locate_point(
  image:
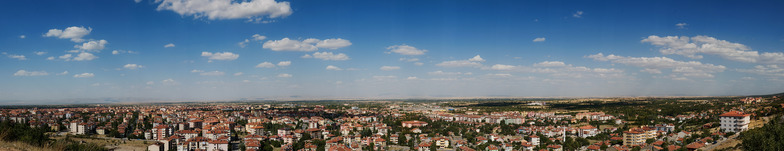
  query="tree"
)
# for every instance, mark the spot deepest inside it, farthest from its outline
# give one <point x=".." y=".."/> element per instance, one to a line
<point x="433" y="146"/>
<point x="768" y="137"/>
<point x="604" y="146"/>
<point x="401" y="139"/>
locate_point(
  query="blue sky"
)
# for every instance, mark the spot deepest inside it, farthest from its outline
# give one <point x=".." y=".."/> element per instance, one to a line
<point x="274" y="49"/>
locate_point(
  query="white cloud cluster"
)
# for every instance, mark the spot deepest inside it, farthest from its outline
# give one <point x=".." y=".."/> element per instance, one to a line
<point x="502" y="67"/>
<point x="93" y="45"/>
<point x="271" y="65"/>
<point x="169" y="45"/>
<point x="692" y="47"/>
<point x="476" y="61"/>
<point x="328" y="56"/>
<point x="540" y="39"/>
<point x="30" y="73"/>
<point x="226" y="56"/>
<point x="767" y="70"/>
<point x="389" y="68"/>
<point x="334" y="68"/>
<point x="212" y="73"/>
<point x="20" y="57"/>
<point x="550" y="64"/>
<point x="116" y="52"/>
<point x="255" y="37"/>
<point x="39" y="53"/>
<point x="681" y="25"/>
<point x="406" y="50"/>
<point x="84" y="75"/>
<point x="284" y="75"/>
<point x="442" y="73"/>
<point x="227" y="9"/>
<point x="310" y="44"/>
<point x="578" y="14"/>
<point x="74" y="33"/>
<point x="132" y="66"/>
<point x="656" y="64"/>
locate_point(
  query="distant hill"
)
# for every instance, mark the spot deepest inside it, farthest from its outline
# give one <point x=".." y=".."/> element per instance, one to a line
<point x="768" y="95"/>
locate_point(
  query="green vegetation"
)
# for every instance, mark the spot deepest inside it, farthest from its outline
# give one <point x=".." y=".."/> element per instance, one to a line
<point x="767" y="138"/>
<point x="36" y="136"/>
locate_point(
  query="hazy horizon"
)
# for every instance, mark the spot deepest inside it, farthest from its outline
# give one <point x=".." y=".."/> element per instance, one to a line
<point x="132" y="50"/>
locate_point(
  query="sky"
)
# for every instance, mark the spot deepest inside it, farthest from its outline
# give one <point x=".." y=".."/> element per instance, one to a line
<point x="205" y="50"/>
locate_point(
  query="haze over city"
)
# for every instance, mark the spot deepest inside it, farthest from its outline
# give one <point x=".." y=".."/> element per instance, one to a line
<point x="144" y="50"/>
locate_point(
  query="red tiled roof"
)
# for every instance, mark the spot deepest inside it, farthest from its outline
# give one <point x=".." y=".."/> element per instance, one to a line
<point x="734" y="114"/>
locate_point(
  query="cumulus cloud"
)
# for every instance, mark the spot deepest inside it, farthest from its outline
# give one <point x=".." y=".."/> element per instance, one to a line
<point x="22" y="36"/>
<point x="265" y="65"/>
<point x="84" y="75"/>
<point x="212" y="73"/>
<point x="442" y="73"/>
<point x="168" y="45"/>
<point x="411" y="78"/>
<point x="476" y="61"/>
<point x="62" y="73"/>
<point x="238" y="74"/>
<point x="502" y="67"/>
<point x="284" y="63"/>
<point x="132" y="66"/>
<point x="540" y="39"/>
<point x="253" y="10"/>
<point x="20" y="57"/>
<point x="384" y="77"/>
<point x="550" y="64"/>
<point x="169" y="81"/>
<point x="226" y="56"/>
<point x="333" y="43"/>
<point x="334" y="68"/>
<point x="30" y="73"/>
<point x="93" y="45"/>
<point x="330" y="56"/>
<point x="74" y="33"/>
<point x="406" y="50"/>
<point x="116" y="52"/>
<point x="692" y="47"/>
<point x="255" y="37"/>
<point x="39" y="53"/>
<point x="767" y="70"/>
<point x="388" y="68"/>
<point x="656" y="64"/>
<point x="578" y="14"/>
<point x="310" y="44"/>
<point x="83" y="56"/>
<point x="681" y="25"/>
<point x="196" y="71"/>
<point x="284" y="75"/>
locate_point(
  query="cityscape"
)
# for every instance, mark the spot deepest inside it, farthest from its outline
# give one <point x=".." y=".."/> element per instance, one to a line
<point x="407" y="75"/>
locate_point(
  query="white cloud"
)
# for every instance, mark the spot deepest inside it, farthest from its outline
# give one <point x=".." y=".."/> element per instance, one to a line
<point x="284" y="63"/>
<point x="20" y="57"/>
<point x="692" y="47"/>
<point x="310" y="44"/>
<point x="116" y="52"/>
<point x="74" y="33"/>
<point x="84" y="56"/>
<point x="550" y="64"/>
<point x="406" y="50"/>
<point x="384" y="77"/>
<point x="656" y="64"/>
<point x="196" y="71"/>
<point x="334" y="68"/>
<point x="132" y="66"/>
<point x="169" y="82"/>
<point x="333" y="43"/>
<point x="442" y="73"/>
<point x="168" y="45"/>
<point x="39" y="53"/>
<point x="227" y="9"/>
<point x="473" y="62"/>
<point x="477" y="58"/>
<point x="330" y="56"/>
<point x="238" y="74"/>
<point x="137" y="1"/>
<point x="220" y="55"/>
<point x="767" y="70"/>
<point x="30" y="73"/>
<point x="306" y="56"/>
<point x="681" y="25"/>
<point x="22" y="36"/>
<point x="284" y="75"/>
<point x="419" y="63"/>
<point x="502" y="67"/>
<point x="50" y="58"/>
<point x="540" y="39"/>
<point x="578" y="14"/>
<point x="409" y="59"/>
<point x="62" y="73"/>
<point x="212" y="73"/>
<point x="255" y="37"/>
<point x="84" y="75"/>
<point x="93" y="45"/>
<point x="411" y="78"/>
<point x="388" y="68"/>
<point x="265" y="65"/>
<point x="500" y="75"/>
<point x="150" y="83"/>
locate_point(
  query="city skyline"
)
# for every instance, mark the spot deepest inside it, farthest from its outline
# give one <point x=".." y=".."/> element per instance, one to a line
<point x="261" y="49"/>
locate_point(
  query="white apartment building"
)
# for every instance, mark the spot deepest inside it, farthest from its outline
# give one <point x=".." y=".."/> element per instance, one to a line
<point x="734" y="121"/>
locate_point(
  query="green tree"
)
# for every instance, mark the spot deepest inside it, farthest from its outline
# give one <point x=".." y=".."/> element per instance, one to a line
<point x="433" y="146"/>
